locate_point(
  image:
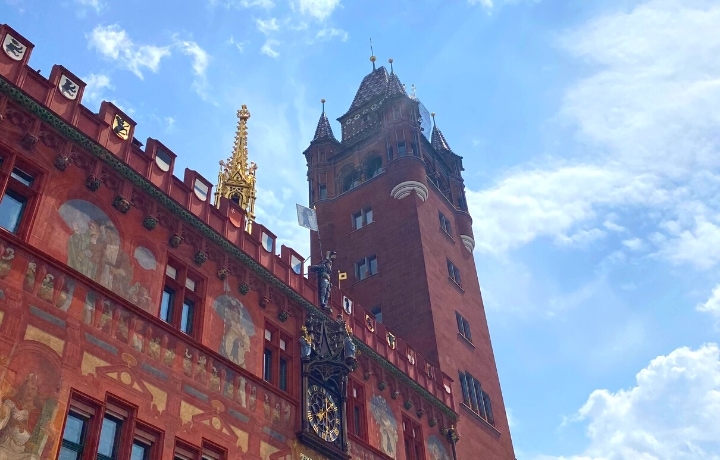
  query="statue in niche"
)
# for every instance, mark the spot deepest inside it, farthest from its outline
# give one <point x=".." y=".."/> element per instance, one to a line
<point x="306" y="343"/>
<point x="324" y="272"/>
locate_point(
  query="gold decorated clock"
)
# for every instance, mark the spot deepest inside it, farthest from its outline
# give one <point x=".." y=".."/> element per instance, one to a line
<point x="323" y="413"/>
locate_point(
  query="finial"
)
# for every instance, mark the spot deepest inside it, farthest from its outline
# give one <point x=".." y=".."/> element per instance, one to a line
<point x="322" y="101"/>
<point x="391" y="66"/>
<point x="372" y="54"/>
<point x="243" y="113"/>
<point x="432" y="114"/>
<point x="413" y="90"/>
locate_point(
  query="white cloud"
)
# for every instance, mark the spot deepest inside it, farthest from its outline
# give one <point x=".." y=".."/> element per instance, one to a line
<point x="653" y="158"/>
<point x="113" y="42"/>
<point x="634" y="244"/>
<point x="200" y="57"/>
<point x="239" y="45"/>
<point x="319" y="9"/>
<point x="94" y="86"/>
<point x="712" y="305"/>
<point x="96" y="5"/>
<point x="266" y="4"/>
<point x="267" y="26"/>
<point x="268" y="48"/>
<point x="330" y="32"/>
<point x="483" y="3"/>
<point x="670" y="414"/>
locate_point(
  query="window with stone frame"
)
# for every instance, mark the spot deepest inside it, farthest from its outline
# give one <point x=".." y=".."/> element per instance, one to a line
<point x="412" y="436"/>
<point x="445" y="224"/>
<point x="278" y="358"/>
<point x="366" y="267"/>
<point x="454" y="273"/>
<point x="106" y="431"/>
<point x="357" y="413"/>
<point x="474" y="398"/>
<point x="181" y="301"/>
<point x="362" y="218"/>
<point x="463" y="327"/>
<point x="19" y="183"/>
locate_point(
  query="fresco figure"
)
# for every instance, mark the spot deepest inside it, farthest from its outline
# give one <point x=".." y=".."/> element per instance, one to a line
<point x="95" y="249"/>
<point x="386" y="424"/>
<point x="436" y="449"/>
<point x="24" y="421"/>
<point x="235" y="342"/>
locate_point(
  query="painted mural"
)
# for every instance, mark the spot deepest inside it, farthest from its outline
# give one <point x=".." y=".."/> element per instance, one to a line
<point x="95" y="250"/>
<point x="28" y="408"/>
<point x="386" y="424"/>
<point x="436" y="449"/>
<point x="239" y="327"/>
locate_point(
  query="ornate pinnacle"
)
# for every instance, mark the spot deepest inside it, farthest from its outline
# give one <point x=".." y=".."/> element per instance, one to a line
<point x="236" y="181"/>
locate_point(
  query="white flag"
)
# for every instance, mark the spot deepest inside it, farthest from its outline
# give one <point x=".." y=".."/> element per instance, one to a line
<point x="307" y="217"/>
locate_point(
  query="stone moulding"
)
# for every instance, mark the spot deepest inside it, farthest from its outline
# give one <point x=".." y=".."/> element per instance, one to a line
<point x="75" y="135"/>
<point x="404" y="189"/>
<point x="468" y="242"/>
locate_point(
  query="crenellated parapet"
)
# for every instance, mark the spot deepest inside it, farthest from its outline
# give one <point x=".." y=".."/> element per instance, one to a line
<point x="46" y="115"/>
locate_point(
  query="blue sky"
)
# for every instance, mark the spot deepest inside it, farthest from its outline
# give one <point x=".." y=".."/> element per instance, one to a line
<point x="589" y="131"/>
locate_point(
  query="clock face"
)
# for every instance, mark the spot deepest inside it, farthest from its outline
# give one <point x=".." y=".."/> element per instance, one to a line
<point x="323" y="413"/>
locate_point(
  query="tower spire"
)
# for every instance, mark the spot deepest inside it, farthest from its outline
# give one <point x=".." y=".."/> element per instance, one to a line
<point x="236" y="180"/>
<point x="437" y="140"/>
<point x="323" y="129"/>
<point x="372" y="54"/>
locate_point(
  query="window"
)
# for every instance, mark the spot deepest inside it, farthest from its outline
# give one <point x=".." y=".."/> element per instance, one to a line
<point x="181" y="298"/>
<point x="365" y="267"/>
<point x="373" y="167"/>
<point x="18" y="194"/>
<point x="389" y="152"/>
<point x="414" y="148"/>
<point x="402" y="148"/>
<point x="474" y="398"/>
<point x="463" y="327"/>
<point x="94" y="430"/>
<point x="349" y="181"/>
<point x="412" y="435"/>
<point x="323" y="191"/>
<point x="445" y="224"/>
<point x="454" y="273"/>
<point x="362" y="218"/>
<point x="212" y="452"/>
<point x="277" y="358"/>
<point x="357" y="423"/>
<point x="377" y="313"/>
<point x="321" y="156"/>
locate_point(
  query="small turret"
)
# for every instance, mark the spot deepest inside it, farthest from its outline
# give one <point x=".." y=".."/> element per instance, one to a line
<point x="323" y="130"/>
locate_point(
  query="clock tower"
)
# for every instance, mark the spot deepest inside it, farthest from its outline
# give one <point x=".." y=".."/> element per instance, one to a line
<point x="390" y="199"/>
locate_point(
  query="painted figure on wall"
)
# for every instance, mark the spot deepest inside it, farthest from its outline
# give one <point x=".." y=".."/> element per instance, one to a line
<point x="95" y="250"/>
<point x="26" y="414"/>
<point x="386" y="424"/>
<point x="436" y="449"/>
<point x="235" y="342"/>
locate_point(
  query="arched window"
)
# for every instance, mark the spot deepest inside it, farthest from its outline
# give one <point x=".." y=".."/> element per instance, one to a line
<point x="350" y="179"/>
<point x="373" y="167"/>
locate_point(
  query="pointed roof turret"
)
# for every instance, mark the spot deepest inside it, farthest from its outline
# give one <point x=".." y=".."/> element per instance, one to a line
<point x="394" y="87"/>
<point x="236" y="180"/>
<point x="437" y="140"/>
<point x="323" y="130"/>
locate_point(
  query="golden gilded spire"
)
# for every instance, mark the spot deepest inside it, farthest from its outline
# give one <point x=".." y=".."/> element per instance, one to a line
<point x="236" y="180"/>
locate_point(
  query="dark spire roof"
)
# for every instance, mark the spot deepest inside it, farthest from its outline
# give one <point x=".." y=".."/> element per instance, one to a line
<point x="323" y="130"/>
<point x="394" y="87"/>
<point x="374" y="84"/>
<point x="437" y="140"/>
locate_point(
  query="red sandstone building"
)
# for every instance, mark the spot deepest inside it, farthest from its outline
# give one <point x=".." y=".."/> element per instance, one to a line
<point x="141" y="320"/>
